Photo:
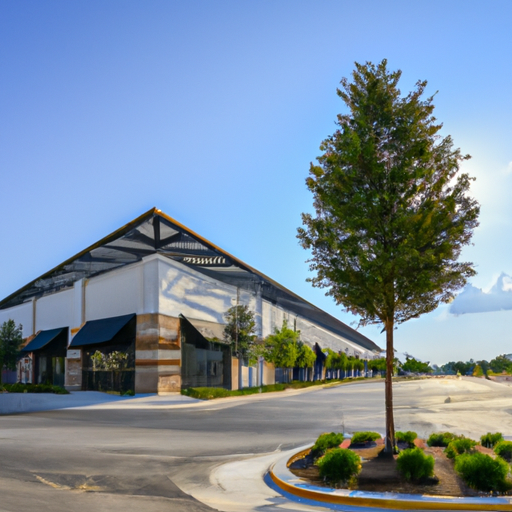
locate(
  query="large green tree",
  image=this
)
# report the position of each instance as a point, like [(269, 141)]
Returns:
[(10, 342), (392, 209)]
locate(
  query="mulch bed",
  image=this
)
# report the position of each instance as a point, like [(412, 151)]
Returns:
[(379, 473)]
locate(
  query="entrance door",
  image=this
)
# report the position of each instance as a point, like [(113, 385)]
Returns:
[(58, 371)]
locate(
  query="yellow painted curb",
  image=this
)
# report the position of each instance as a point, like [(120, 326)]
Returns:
[(400, 504)]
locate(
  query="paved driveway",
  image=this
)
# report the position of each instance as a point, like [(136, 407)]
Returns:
[(154, 454)]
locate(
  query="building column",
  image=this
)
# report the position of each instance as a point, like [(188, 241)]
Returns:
[(157, 354)]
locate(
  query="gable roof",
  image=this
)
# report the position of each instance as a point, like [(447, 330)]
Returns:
[(154, 232)]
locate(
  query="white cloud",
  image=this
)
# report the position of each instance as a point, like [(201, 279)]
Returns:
[(475, 300), (509, 168)]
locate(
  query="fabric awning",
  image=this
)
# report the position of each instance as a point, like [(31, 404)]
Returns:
[(100, 331), (42, 339), (209, 330)]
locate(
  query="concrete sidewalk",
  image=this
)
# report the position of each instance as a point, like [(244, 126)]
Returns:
[(19, 403)]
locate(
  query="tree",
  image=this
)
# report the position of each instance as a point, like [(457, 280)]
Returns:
[(392, 210), (414, 366), (240, 329), (10, 342), (501, 364), (305, 356), (281, 348)]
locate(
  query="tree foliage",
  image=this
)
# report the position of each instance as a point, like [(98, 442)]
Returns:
[(11, 339), (501, 364), (240, 329), (336, 361), (414, 366), (115, 360), (305, 356), (392, 210), (281, 348)]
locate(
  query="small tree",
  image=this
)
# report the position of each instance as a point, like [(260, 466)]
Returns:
[(392, 212), (240, 330), (10, 342), (305, 356), (281, 348)]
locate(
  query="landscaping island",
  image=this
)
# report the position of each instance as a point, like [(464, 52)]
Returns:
[(443, 465)]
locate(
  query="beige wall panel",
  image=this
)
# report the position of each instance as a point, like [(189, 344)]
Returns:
[(73, 373), (55, 310), (234, 373), (21, 314), (269, 373), (169, 384), (146, 380), (115, 293)]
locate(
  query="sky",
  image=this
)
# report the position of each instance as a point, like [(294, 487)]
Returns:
[(213, 111)]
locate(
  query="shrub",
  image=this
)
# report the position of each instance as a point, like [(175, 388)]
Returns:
[(364, 437), (413, 464), (441, 439), (504, 449), (326, 442), (489, 440), (406, 437), (459, 446), (35, 388), (339, 465), (482, 472)]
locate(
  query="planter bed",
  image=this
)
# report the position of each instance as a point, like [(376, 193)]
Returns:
[(379, 473)]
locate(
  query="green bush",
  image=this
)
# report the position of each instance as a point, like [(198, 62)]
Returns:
[(441, 439), (459, 446), (326, 442), (364, 437), (339, 465), (204, 393), (489, 440), (35, 388), (413, 464), (482, 472), (406, 437), (504, 449)]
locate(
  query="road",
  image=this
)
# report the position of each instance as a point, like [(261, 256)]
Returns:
[(198, 457)]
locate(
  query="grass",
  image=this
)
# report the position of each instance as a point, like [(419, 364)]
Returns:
[(212, 393)]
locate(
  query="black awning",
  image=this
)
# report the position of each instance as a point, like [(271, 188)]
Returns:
[(100, 331), (195, 333), (42, 339), (209, 330)]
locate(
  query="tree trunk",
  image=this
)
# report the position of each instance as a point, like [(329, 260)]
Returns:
[(390, 423)]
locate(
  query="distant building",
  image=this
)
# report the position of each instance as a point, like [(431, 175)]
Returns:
[(158, 292)]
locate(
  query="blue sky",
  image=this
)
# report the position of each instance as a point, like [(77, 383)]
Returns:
[(212, 111)]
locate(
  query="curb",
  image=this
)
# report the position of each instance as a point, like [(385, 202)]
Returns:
[(285, 480)]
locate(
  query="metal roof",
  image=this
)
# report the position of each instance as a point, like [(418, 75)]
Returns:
[(154, 232)]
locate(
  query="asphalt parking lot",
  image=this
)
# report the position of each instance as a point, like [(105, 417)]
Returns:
[(156, 453)]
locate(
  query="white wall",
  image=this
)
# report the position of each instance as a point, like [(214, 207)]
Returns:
[(194, 295), (311, 334), (119, 292), (55, 310), (21, 314), (273, 316)]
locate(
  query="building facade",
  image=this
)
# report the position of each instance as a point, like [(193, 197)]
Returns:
[(157, 292)]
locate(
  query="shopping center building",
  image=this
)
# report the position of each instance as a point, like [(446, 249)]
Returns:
[(158, 292)]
